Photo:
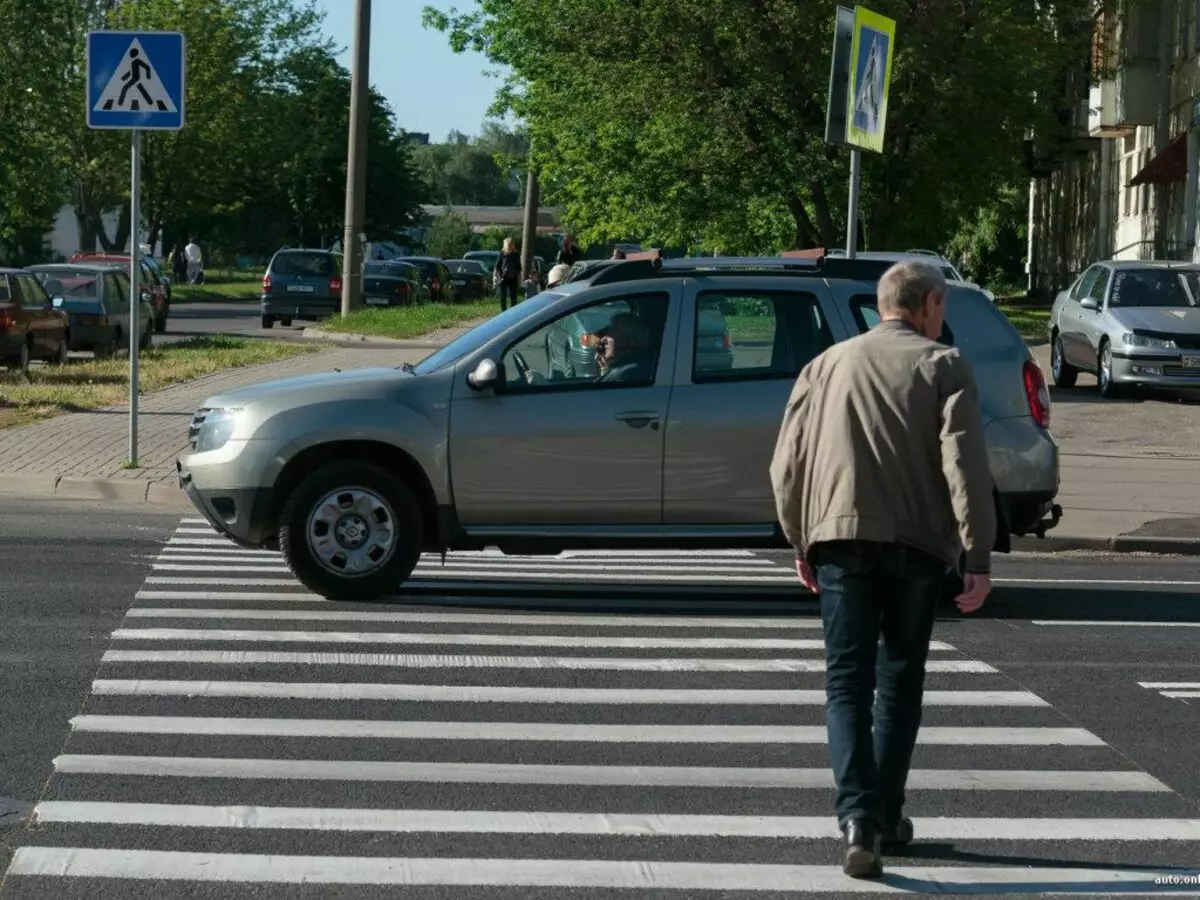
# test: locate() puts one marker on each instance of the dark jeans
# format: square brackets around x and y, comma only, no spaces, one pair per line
[870,590]
[508,294]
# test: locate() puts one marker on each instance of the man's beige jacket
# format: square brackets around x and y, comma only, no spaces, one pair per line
[882,441]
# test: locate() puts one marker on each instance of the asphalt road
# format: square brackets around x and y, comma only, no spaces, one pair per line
[502,731]
[70,570]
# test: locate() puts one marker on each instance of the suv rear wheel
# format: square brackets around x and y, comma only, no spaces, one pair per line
[351,531]
[268,321]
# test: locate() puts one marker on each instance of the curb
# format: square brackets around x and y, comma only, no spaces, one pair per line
[319,334]
[1124,543]
[112,490]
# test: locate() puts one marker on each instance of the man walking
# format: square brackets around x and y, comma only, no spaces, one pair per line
[881,483]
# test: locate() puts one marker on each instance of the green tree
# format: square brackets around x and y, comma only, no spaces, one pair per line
[703,124]
[449,237]
[482,171]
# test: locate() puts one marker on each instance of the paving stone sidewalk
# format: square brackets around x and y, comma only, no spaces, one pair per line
[81,454]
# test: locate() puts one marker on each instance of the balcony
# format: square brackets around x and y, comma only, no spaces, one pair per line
[1103,121]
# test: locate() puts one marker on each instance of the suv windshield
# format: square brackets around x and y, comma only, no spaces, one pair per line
[310,264]
[1150,287]
[484,332]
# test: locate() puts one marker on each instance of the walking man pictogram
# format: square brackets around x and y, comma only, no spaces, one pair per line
[134,78]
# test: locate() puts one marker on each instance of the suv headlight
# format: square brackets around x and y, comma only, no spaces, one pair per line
[217,429]
[1150,343]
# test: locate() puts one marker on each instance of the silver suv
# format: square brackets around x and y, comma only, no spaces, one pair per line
[652,427]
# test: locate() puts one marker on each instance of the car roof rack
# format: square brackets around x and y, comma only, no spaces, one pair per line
[651,264]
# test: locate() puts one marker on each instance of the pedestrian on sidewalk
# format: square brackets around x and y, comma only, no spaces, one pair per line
[508,273]
[568,254]
[881,485]
[178,265]
[195,262]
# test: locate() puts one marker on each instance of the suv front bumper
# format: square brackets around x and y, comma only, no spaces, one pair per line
[241,513]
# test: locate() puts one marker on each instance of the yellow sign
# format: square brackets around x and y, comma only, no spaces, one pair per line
[870,77]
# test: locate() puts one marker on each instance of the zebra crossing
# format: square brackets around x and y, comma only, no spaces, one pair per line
[246,738]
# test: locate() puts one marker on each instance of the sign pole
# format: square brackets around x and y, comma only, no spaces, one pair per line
[852,205]
[135,291]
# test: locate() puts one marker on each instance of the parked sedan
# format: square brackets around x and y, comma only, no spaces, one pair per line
[96,301]
[436,276]
[30,327]
[393,283]
[151,283]
[471,277]
[1129,323]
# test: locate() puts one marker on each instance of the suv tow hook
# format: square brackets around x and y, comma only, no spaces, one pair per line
[1056,514]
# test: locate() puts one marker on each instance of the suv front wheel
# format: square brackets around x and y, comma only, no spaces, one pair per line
[351,531]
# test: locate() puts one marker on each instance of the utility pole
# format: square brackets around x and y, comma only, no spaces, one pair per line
[356,157]
[529,233]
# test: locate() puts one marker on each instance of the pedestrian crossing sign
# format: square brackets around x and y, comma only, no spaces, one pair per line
[871,57]
[135,79]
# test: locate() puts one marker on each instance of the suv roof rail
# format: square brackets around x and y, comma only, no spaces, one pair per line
[651,264]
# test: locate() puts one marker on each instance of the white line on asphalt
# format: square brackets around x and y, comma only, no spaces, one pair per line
[1093,581]
[1181,695]
[419,580]
[474,640]
[223,582]
[1094,623]
[465,618]
[1089,781]
[437,821]
[184,530]
[241,596]
[1171,685]
[754,568]
[602,573]
[462,661]
[203,542]
[437,693]
[201,554]
[568,732]
[169,865]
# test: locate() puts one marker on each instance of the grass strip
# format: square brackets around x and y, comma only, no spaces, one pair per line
[47,391]
[410,321]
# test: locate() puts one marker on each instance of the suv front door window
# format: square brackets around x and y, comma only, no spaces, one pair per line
[568,441]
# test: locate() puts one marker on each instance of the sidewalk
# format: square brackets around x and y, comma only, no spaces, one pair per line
[81,455]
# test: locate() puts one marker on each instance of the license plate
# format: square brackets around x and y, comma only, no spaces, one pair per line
[1191,362]
[377,301]
[300,288]
[461,282]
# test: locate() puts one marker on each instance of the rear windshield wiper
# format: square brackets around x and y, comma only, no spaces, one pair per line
[408,367]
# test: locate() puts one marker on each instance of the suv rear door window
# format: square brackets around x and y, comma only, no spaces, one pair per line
[755,335]
[865,309]
[311,265]
[4,295]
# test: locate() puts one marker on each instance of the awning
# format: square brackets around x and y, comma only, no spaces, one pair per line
[1167,167]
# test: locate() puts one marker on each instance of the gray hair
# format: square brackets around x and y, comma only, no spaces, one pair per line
[904,287]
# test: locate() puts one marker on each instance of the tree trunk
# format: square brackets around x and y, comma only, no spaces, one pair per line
[117,244]
[806,233]
[827,231]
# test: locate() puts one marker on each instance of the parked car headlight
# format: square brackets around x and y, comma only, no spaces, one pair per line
[1150,343]
[217,429]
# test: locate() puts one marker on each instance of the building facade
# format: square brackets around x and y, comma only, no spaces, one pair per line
[1125,186]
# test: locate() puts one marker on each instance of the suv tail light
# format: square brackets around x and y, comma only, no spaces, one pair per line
[267,283]
[335,284]
[726,343]
[7,320]
[436,285]
[402,288]
[1037,393]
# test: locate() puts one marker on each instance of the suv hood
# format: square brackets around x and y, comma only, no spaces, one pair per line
[312,388]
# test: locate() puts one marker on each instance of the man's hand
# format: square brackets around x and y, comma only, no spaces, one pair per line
[805,574]
[975,590]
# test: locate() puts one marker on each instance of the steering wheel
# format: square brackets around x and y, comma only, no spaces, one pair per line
[523,367]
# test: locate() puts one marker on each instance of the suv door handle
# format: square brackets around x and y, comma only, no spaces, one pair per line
[639,418]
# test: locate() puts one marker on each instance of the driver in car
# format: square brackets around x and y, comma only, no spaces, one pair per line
[623,350]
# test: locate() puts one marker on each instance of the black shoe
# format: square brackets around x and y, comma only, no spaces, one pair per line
[862,850]
[898,836]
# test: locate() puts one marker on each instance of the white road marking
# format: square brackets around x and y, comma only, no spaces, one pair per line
[1181,695]
[1103,623]
[461,661]
[956,736]
[452,618]
[1096,581]
[1170,685]
[754,569]
[436,693]
[223,582]
[474,640]
[606,573]
[593,776]
[165,865]
[242,596]
[437,821]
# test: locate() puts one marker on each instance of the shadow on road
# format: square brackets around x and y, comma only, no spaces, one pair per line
[1114,604]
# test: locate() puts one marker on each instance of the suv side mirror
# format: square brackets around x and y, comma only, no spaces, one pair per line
[485,375]
[1090,303]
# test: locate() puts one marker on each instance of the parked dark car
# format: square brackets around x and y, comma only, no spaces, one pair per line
[151,283]
[393,283]
[436,276]
[96,301]
[301,284]
[471,277]
[30,327]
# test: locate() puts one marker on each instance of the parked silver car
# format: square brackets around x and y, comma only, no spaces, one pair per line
[1129,323]
[353,474]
